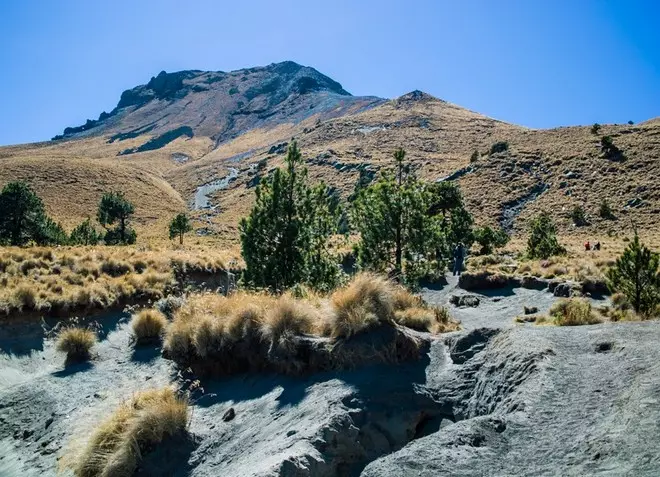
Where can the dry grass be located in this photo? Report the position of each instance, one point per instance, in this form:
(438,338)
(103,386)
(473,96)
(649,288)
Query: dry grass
(148,325)
(116,447)
(255,331)
(74,278)
(365,302)
(573,312)
(76,342)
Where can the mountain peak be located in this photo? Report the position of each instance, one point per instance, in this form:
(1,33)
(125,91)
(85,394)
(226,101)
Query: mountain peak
(416,96)
(222,105)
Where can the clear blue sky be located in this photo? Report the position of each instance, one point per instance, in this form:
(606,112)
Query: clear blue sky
(539,63)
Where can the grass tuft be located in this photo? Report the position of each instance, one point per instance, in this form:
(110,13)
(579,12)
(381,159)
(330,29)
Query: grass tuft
(142,423)
(76,343)
(148,325)
(573,312)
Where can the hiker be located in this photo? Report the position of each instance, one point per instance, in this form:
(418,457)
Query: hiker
(458,259)
(587,246)
(597,246)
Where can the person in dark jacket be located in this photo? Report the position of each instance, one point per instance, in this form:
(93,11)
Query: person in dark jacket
(459,255)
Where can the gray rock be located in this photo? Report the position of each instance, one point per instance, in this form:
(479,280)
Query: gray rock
(530,310)
(465,300)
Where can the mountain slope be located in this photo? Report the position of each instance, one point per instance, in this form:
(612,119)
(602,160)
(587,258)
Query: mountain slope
(201,139)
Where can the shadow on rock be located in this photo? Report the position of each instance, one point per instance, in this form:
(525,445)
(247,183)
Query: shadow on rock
(171,458)
(72,367)
(145,354)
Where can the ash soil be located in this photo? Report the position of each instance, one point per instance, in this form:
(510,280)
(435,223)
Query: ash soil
(489,400)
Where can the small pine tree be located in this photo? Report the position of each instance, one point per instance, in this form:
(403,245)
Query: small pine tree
(284,240)
(114,208)
(631,122)
(595,128)
(636,274)
(489,239)
(22,214)
(542,242)
(179,226)
(51,233)
(84,234)
(475,156)
(579,216)
(605,211)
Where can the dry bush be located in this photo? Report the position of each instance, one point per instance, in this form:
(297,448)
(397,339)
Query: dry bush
(367,300)
(148,325)
(289,316)
(116,447)
(76,342)
(573,312)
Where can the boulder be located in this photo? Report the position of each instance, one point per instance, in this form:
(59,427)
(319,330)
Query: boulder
(464,300)
(530,310)
(533,283)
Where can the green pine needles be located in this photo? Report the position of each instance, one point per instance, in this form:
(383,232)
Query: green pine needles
(284,240)
(407,226)
(636,274)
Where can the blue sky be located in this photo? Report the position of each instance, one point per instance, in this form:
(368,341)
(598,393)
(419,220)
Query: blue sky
(537,63)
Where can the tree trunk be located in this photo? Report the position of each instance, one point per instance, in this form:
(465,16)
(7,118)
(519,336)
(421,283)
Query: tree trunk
(122,230)
(181,238)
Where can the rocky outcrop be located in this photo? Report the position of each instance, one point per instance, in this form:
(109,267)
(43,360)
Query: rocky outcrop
(223,105)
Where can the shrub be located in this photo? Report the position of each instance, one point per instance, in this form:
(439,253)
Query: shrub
(366,301)
(490,239)
(76,343)
(605,211)
(542,242)
(578,216)
(636,274)
(148,325)
(499,146)
(573,312)
(138,426)
(595,128)
(475,156)
(84,234)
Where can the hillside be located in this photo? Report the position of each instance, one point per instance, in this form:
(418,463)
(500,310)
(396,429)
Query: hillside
(199,139)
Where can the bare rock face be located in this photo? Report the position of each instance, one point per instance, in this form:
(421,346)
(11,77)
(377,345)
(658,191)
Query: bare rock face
(221,105)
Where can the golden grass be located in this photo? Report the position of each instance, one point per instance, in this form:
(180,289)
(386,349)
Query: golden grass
(116,447)
(243,330)
(289,316)
(572,312)
(68,278)
(367,300)
(76,342)
(148,325)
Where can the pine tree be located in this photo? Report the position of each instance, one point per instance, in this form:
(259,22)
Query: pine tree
(542,242)
(636,274)
(22,214)
(51,233)
(84,234)
(179,226)
(115,208)
(284,239)
(406,225)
